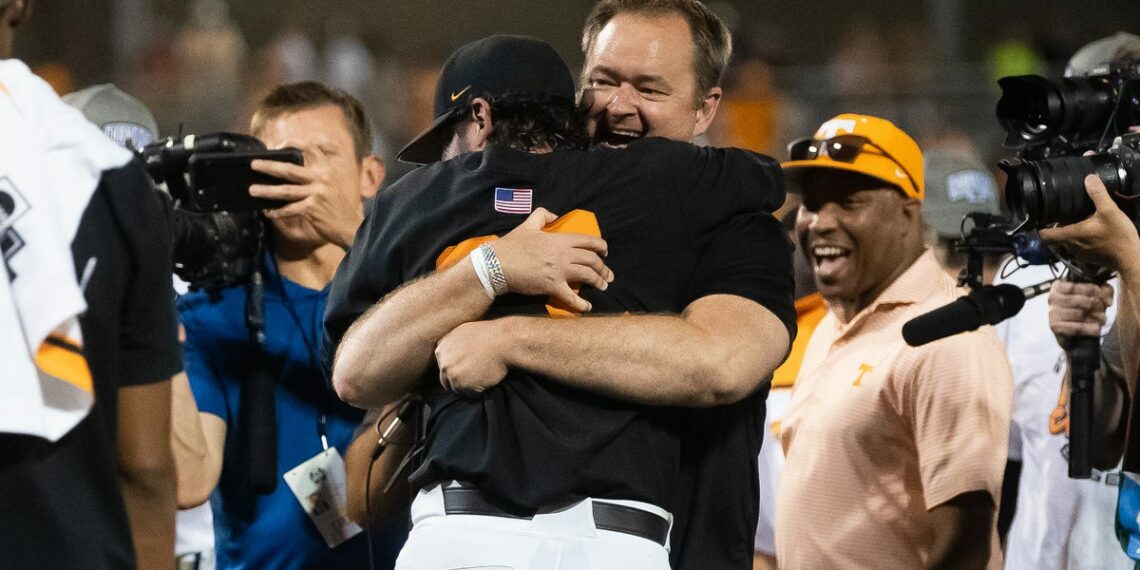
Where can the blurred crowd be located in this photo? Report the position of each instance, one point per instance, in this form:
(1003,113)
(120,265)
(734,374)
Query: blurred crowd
(742,396)
(198,72)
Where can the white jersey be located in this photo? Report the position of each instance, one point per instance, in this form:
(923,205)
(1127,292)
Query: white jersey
(194,534)
(1060,522)
(771,464)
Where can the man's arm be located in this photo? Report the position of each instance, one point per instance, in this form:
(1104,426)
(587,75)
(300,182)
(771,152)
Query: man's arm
(386,351)
(198,441)
(734,332)
(1109,239)
(963,529)
(148,351)
(1079,309)
(146,467)
(956,396)
(718,351)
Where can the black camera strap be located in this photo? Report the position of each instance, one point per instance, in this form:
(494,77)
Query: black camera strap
(257,417)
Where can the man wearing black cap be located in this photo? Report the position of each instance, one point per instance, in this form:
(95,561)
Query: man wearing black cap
(636,84)
(688,231)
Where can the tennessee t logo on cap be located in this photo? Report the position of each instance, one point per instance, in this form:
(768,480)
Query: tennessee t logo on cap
(513,200)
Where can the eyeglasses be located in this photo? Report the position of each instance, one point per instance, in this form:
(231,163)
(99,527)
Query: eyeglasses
(843,148)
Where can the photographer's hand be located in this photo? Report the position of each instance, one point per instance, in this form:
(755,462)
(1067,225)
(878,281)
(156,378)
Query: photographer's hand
(1077,309)
(1107,238)
(331,206)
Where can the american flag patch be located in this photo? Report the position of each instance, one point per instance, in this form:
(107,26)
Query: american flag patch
(513,200)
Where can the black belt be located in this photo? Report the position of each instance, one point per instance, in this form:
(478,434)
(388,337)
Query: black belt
(607,516)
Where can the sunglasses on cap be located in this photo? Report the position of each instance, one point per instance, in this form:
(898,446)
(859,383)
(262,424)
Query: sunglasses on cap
(841,148)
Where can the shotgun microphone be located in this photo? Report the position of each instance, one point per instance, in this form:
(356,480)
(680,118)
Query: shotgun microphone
(986,305)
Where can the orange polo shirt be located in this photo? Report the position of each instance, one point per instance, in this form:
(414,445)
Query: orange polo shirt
(878,432)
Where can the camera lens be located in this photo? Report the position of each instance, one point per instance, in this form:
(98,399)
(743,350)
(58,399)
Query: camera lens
(215,249)
(1021,190)
(1050,191)
(1032,109)
(1029,108)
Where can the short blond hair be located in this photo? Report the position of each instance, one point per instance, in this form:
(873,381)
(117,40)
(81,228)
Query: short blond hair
(293,97)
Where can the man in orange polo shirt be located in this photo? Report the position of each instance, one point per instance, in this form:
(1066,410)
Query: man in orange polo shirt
(894,454)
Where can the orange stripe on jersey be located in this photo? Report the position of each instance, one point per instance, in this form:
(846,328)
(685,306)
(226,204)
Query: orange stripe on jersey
(61,358)
(574,222)
(456,253)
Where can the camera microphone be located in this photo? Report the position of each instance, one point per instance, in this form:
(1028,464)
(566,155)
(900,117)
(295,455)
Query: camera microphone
(987,305)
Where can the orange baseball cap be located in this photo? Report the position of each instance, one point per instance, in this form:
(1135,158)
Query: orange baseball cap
(889,155)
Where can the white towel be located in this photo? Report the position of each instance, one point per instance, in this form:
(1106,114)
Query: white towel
(51,160)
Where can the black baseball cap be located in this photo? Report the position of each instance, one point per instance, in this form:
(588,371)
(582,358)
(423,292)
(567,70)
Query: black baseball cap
(490,67)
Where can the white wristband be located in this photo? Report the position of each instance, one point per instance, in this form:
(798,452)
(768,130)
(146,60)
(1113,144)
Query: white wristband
(476,257)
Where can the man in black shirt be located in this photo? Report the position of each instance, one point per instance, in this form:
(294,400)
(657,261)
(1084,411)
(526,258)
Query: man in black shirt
(689,233)
(638,81)
(101,496)
(635,84)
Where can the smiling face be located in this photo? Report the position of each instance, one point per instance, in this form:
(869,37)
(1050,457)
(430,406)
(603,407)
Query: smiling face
(639,81)
(859,239)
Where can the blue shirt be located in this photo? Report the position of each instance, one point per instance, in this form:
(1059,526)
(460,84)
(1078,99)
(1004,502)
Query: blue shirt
(268,531)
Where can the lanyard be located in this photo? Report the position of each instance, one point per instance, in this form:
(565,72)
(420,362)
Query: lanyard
(322,424)
(310,346)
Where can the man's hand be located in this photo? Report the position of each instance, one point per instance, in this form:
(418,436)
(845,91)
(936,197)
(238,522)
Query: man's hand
(1107,238)
(385,353)
(314,195)
(543,263)
(1077,309)
(471,358)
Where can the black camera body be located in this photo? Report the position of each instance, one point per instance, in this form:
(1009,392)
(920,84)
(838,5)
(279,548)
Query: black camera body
(1051,125)
(218,228)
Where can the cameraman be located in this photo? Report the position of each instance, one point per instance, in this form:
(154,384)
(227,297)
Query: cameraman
(1062,522)
(1107,239)
(307,238)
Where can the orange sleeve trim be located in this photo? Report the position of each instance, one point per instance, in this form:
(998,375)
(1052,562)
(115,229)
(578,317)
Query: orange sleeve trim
(456,253)
(60,358)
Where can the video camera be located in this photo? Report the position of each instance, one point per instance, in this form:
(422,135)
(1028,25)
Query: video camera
(219,237)
(1051,124)
(218,228)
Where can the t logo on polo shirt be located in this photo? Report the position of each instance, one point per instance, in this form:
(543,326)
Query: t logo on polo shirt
(863,370)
